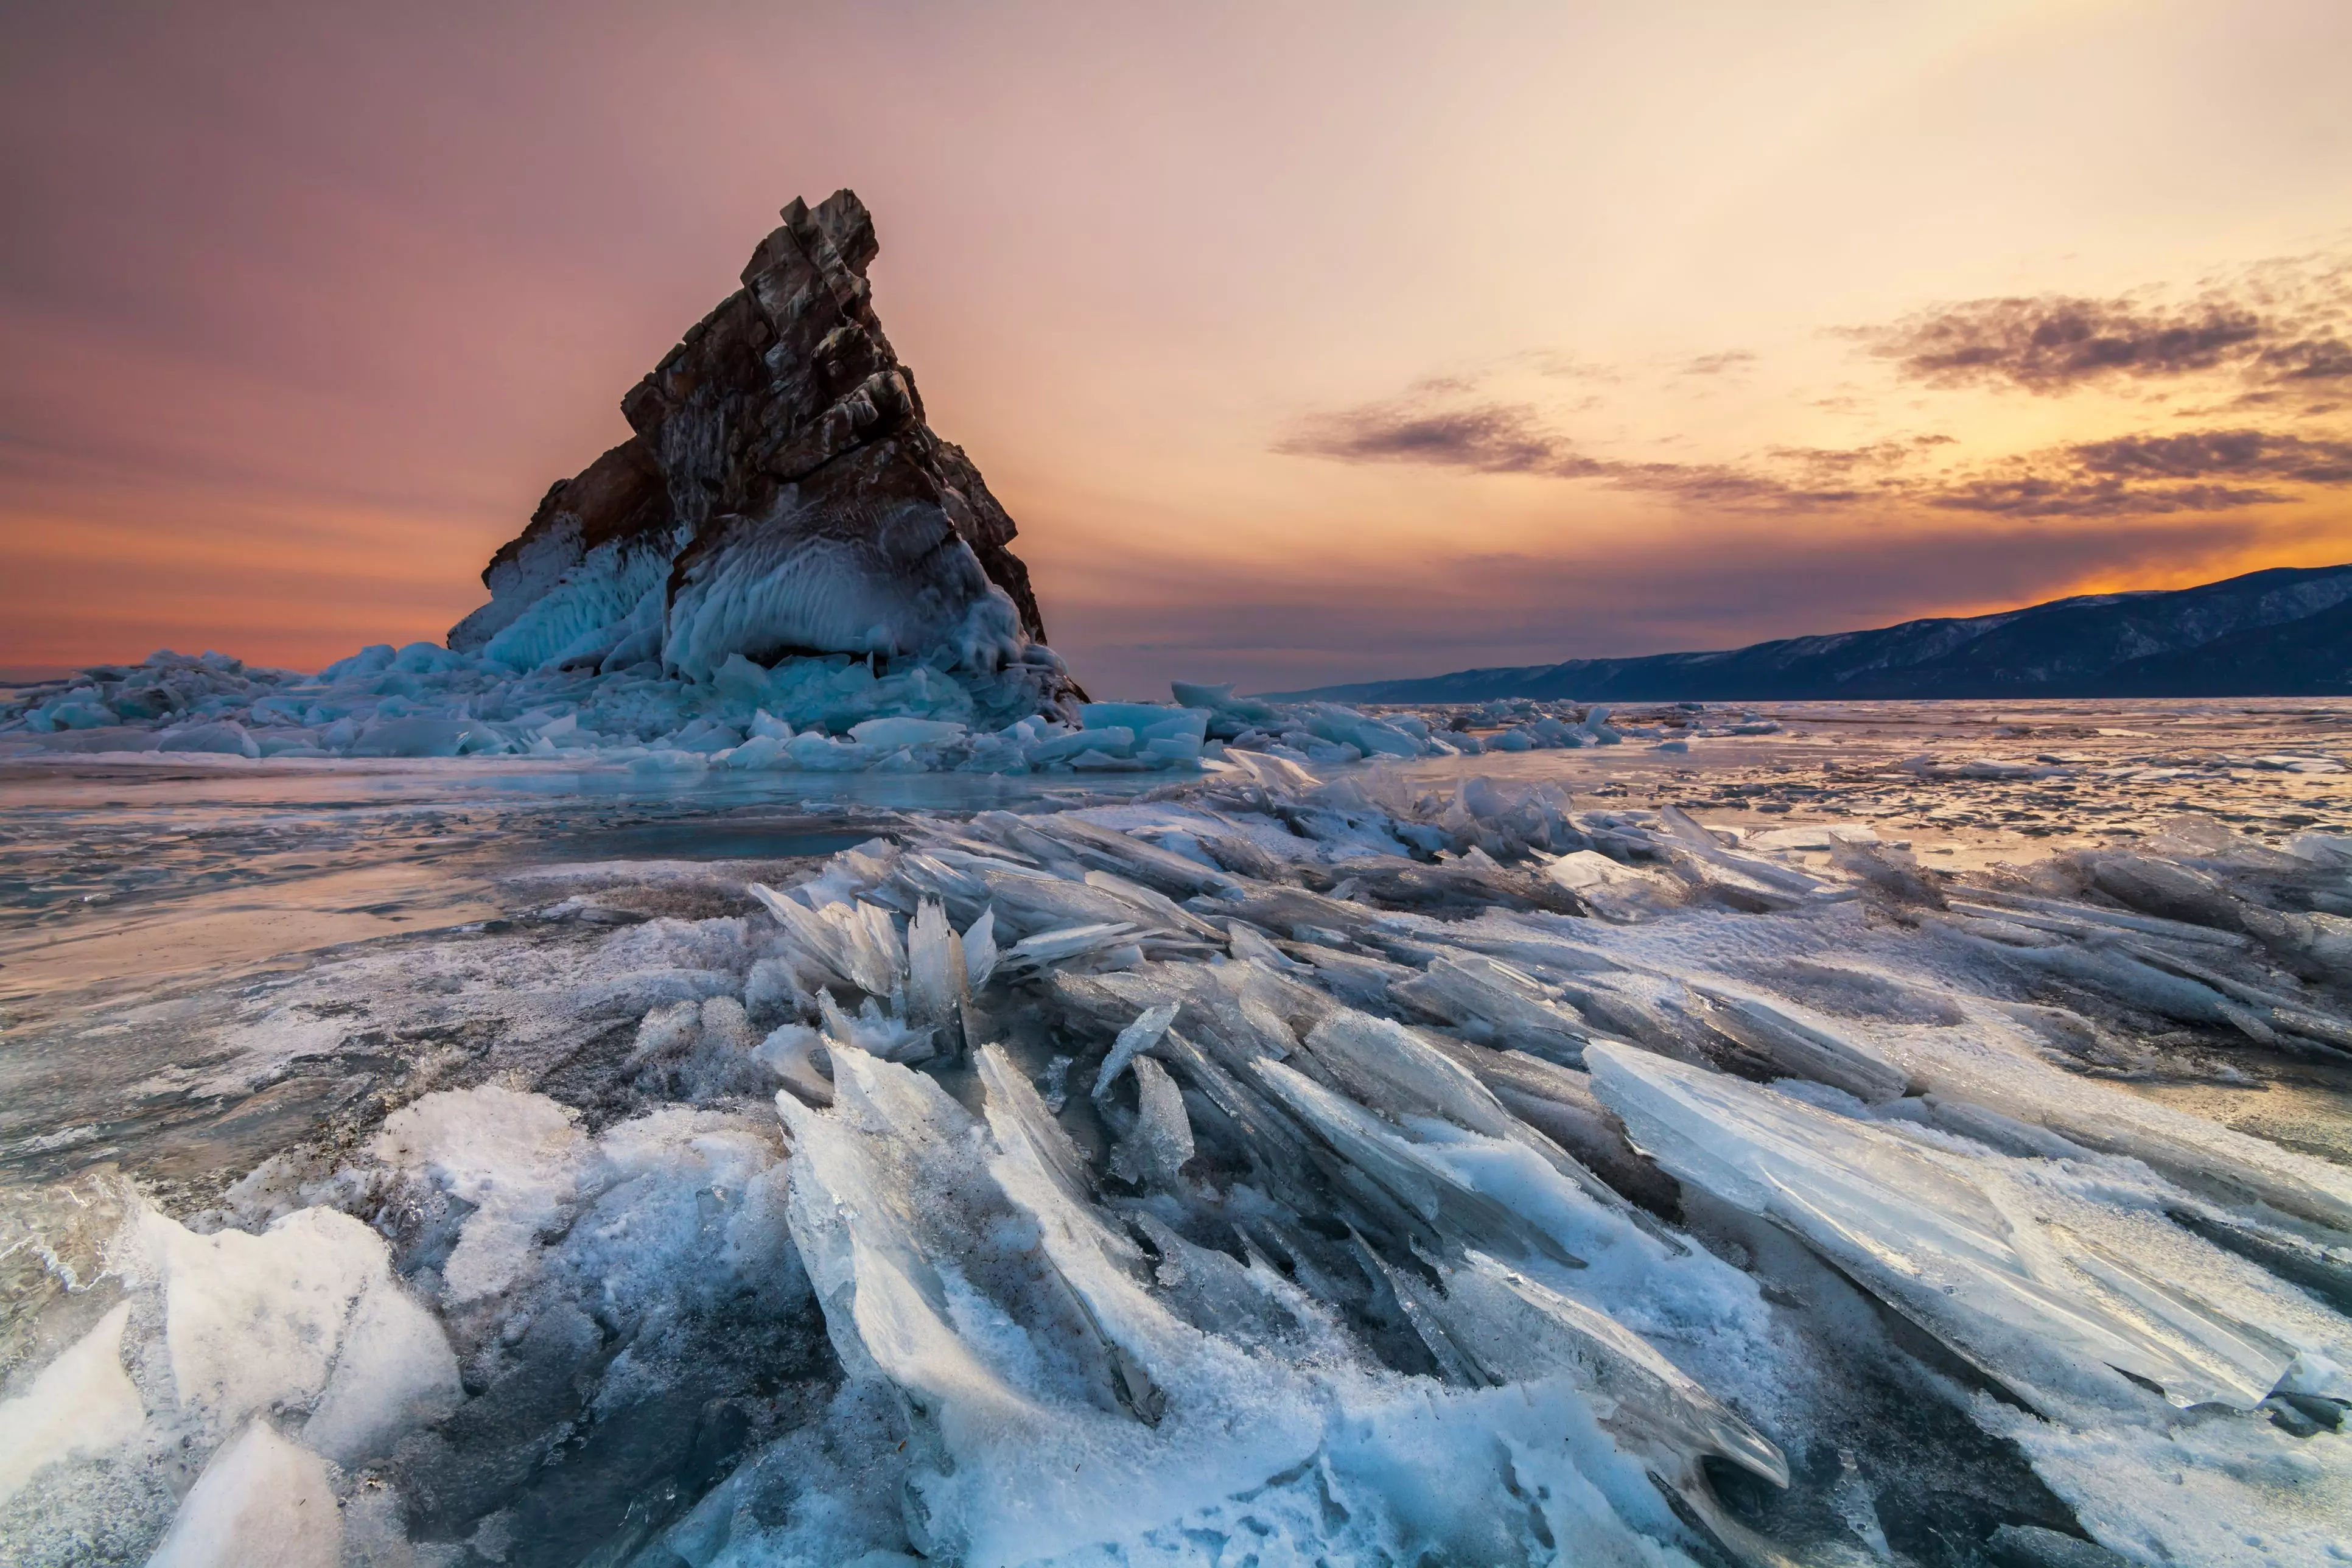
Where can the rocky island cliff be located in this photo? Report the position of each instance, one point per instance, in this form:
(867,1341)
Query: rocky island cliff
(782,495)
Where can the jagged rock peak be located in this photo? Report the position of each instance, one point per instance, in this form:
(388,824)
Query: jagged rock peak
(781,495)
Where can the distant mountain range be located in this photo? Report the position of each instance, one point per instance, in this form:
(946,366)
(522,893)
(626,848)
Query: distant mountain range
(2282,632)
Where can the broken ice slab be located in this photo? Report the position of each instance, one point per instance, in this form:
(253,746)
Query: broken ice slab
(1993,1064)
(1226,710)
(868,1223)
(856,1216)
(1403,1075)
(924,1236)
(1136,1039)
(1389,1067)
(261,1499)
(1353,978)
(2025,1302)
(1162,1140)
(1803,1046)
(2080,919)
(1495,1004)
(855,941)
(1493,1324)
(80,1405)
(1516,1328)
(1029,903)
(874,1031)
(980,954)
(1812,837)
(1071,845)
(1687,841)
(937,982)
(903,732)
(1270,771)
(1614,890)
(1067,943)
(1147,721)
(1456,1211)
(1558,1102)
(1041,1173)
(791,1052)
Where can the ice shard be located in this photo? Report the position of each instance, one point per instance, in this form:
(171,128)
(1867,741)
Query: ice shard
(1516,1328)
(1805,1047)
(1454,1210)
(1156,1152)
(939,985)
(1992,1065)
(2028,1303)
(1133,1040)
(1497,1004)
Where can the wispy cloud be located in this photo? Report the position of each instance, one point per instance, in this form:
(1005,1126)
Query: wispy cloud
(2054,343)
(2309,359)
(1568,367)
(2210,452)
(2247,367)
(2147,476)
(1498,439)
(2137,475)
(1510,438)
(2277,321)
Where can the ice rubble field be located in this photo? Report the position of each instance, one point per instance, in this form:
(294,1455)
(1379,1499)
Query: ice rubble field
(833,714)
(1266,1170)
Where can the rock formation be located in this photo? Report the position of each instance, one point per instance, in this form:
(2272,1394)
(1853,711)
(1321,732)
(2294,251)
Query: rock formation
(782,495)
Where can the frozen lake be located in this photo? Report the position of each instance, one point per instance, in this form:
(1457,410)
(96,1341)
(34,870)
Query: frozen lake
(1923,1133)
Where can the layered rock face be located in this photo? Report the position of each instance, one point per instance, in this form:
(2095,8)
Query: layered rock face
(782,495)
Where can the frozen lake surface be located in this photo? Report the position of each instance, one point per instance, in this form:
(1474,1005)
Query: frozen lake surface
(1922,1134)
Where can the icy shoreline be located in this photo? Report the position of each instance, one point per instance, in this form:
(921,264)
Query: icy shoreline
(1369,1167)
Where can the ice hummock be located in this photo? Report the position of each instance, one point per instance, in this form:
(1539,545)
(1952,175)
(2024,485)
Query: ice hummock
(829,713)
(836,713)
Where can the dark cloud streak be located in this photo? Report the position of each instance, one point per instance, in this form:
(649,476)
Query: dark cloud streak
(2194,471)
(2310,359)
(1497,438)
(1509,438)
(2208,452)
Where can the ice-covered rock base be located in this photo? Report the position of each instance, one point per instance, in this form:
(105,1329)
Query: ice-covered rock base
(831,714)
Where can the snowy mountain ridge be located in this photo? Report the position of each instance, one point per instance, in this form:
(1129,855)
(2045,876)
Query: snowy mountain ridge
(2286,631)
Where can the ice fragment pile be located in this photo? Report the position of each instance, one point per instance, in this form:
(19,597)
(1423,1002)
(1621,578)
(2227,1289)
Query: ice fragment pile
(1276,1168)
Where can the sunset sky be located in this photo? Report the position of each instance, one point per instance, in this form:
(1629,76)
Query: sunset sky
(1303,342)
